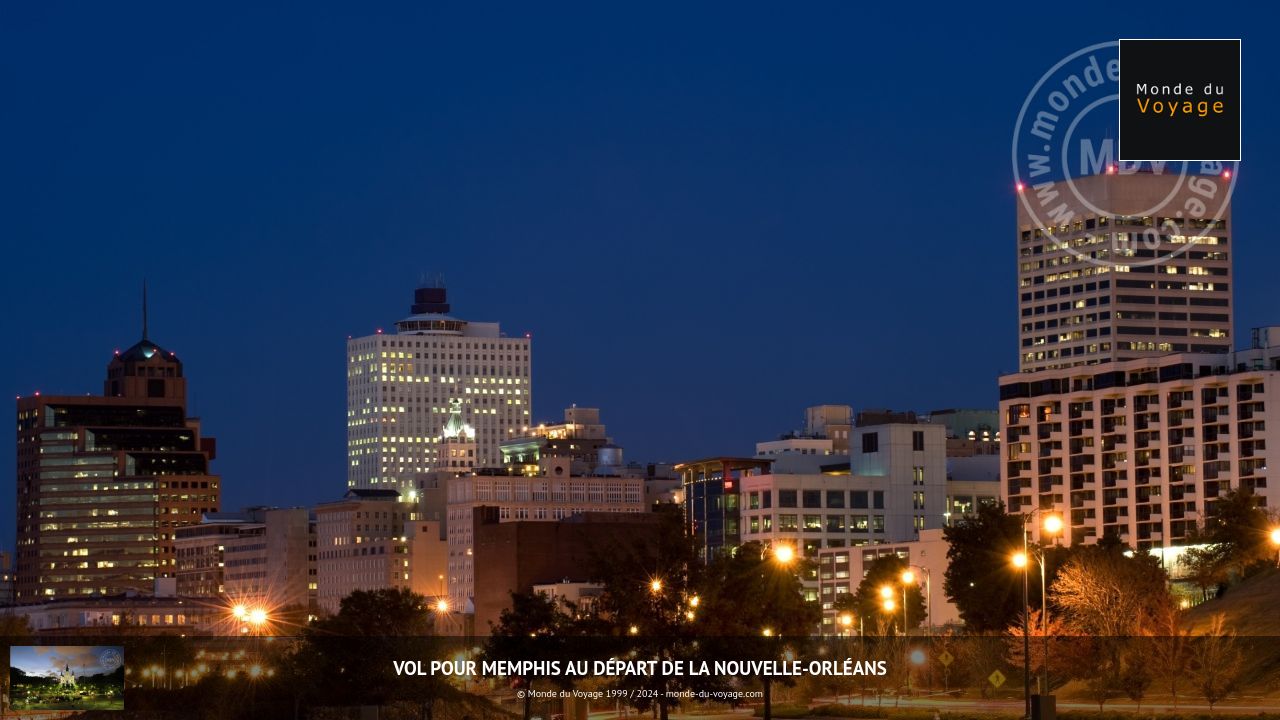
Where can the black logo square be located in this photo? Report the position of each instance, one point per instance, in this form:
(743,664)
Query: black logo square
(1179,100)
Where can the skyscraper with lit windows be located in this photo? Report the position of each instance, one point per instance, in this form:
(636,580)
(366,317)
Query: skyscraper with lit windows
(104,482)
(403,388)
(1139,281)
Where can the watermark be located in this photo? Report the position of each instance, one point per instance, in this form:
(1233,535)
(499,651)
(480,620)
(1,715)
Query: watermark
(1065,136)
(110,659)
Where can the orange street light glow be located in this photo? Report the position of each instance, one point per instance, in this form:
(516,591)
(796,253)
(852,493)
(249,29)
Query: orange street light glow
(1019,560)
(1053,524)
(784,554)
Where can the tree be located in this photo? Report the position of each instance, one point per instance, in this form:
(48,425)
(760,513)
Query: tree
(386,612)
(987,595)
(866,601)
(776,614)
(1105,592)
(650,595)
(1207,567)
(1217,661)
(351,654)
(1170,647)
(1237,534)
(1063,652)
(533,628)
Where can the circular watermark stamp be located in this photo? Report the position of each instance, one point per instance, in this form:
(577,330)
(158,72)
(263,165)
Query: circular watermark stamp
(110,659)
(1065,144)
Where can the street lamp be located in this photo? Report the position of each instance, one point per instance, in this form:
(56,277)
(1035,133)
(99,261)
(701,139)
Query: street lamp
(1275,540)
(1019,561)
(909,577)
(1052,525)
(655,586)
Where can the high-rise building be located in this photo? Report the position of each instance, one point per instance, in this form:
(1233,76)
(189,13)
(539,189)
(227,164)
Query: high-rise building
(1090,289)
(104,482)
(1132,414)
(1140,449)
(402,389)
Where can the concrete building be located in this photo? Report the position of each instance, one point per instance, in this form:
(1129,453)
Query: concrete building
(1089,291)
(273,562)
(581,438)
(402,389)
(521,556)
(841,570)
(969,432)
(892,486)
(371,540)
(6,578)
(1140,449)
(555,493)
(199,551)
(131,614)
(103,483)
(259,556)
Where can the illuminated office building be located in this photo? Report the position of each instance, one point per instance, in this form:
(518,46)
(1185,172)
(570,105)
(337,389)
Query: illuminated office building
(104,482)
(403,388)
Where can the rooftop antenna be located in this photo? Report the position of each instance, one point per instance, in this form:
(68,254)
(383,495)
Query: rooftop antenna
(144,309)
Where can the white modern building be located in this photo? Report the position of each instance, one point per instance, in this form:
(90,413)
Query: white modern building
(1140,449)
(402,389)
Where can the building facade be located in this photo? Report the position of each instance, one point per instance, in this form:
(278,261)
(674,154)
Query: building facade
(402,387)
(1141,449)
(103,483)
(892,486)
(1090,289)
(373,540)
(554,494)
(523,555)
(841,570)
(272,562)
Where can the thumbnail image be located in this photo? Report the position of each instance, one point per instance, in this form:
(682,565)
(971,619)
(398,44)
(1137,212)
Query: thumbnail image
(66,677)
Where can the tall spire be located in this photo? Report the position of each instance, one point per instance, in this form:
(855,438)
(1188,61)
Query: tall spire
(144,309)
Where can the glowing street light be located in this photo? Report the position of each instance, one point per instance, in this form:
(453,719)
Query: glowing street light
(1052,524)
(784,554)
(655,586)
(258,616)
(767,632)
(442,606)
(1275,540)
(240,612)
(1019,560)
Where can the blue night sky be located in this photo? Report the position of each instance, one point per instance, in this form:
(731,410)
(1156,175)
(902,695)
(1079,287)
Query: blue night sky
(707,216)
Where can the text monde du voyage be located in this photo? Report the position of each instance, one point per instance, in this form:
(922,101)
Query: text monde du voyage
(599,668)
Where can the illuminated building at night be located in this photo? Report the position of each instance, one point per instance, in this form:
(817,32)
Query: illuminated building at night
(403,388)
(103,483)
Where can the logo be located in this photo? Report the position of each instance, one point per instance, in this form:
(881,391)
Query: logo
(1073,191)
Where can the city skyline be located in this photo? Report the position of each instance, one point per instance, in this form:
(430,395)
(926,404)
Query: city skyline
(738,227)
